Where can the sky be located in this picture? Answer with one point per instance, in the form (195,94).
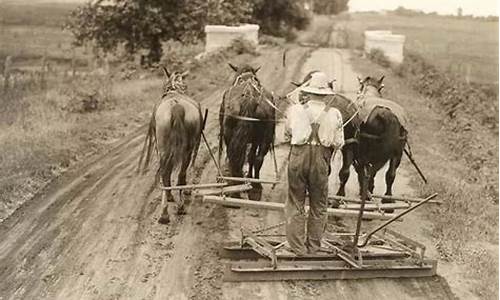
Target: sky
(474,7)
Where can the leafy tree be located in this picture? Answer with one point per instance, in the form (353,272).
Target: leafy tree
(138,24)
(145,24)
(329,7)
(279,17)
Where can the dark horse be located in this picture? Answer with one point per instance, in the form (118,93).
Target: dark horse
(175,131)
(246,117)
(382,137)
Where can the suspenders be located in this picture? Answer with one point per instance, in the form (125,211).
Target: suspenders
(314,137)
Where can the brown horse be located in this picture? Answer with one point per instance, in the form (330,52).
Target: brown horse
(175,131)
(382,136)
(246,117)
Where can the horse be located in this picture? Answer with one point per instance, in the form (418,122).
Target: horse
(348,108)
(246,117)
(382,137)
(174,131)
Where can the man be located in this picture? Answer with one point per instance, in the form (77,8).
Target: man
(314,130)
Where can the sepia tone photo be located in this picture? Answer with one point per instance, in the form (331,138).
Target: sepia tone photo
(249,149)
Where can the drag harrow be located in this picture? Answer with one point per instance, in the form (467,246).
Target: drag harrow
(264,255)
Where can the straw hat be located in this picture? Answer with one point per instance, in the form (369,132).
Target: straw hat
(318,85)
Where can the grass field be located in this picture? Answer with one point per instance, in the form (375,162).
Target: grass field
(458,153)
(451,44)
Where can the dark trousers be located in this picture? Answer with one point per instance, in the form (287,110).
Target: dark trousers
(308,171)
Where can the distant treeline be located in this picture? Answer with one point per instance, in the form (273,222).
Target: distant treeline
(401,11)
(48,14)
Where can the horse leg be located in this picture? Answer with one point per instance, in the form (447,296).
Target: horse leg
(251,160)
(347,159)
(359,167)
(165,177)
(391,173)
(374,169)
(259,161)
(181,180)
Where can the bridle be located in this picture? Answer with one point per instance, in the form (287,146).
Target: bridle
(175,84)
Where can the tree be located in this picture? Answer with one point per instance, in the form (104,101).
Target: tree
(279,17)
(138,24)
(145,24)
(330,7)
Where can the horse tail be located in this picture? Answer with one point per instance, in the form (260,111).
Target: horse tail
(221,127)
(198,140)
(149,143)
(177,138)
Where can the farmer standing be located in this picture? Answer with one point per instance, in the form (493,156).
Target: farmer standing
(314,130)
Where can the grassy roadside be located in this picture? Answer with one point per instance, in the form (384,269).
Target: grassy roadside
(466,226)
(45,131)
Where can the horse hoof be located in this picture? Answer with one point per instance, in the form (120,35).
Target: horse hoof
(164,220)
(334,203)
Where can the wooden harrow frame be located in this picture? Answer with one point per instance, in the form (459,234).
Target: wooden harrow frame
(263,255)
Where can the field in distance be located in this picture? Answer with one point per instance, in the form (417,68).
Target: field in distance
(453,44)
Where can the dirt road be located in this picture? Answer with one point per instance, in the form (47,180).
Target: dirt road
(93,233)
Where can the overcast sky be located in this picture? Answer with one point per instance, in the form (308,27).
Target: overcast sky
(474,7)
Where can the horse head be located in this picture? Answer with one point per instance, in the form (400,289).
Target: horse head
(371,83)
(244,72)
(174,81)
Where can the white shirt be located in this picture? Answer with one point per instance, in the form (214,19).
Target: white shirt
(298,124)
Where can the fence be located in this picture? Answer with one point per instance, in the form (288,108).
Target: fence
(40,73)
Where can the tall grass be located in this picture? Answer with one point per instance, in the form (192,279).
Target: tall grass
(457,147)
(44,130)
(464,46)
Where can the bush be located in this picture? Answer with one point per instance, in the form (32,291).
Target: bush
(378,56)
(142,25)
(454,95)
(280,17)
(242,46)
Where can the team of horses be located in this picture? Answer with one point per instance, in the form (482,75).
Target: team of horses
(247,120)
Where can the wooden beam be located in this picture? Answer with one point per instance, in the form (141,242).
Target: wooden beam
(193,186)
(225,189)
(254,180)
(281,206)
(395,198)
(373,206)
(407,199)
(322,270)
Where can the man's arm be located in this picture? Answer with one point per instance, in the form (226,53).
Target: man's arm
(288,127)
(338,132)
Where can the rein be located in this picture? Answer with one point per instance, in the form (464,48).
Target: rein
(251,82)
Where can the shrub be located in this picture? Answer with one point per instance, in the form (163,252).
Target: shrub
(142,25)
(241,46)
(378,56)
